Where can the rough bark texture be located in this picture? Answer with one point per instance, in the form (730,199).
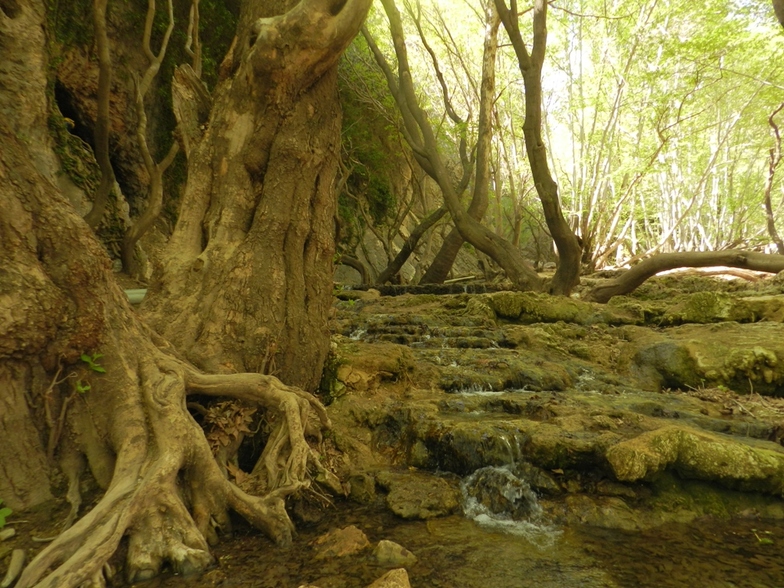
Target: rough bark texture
(129,425)
(633,278)
(24,471)
(246,284)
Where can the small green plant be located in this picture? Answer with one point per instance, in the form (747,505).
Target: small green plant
(92,362)
(82,387)
(5,512)
(763,540)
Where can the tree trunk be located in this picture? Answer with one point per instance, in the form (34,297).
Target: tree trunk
(122,410)
(248,271)
(633,278)
(445,259)
(410,245)
(569,251)
(419,133)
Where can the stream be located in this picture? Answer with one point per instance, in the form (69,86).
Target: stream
(457,552)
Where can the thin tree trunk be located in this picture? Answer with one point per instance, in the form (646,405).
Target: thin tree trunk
(568,273)
(773,164)
(420,135)
(101,197)
(353,262)
(410,245)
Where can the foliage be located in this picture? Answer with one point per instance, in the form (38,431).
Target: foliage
(369,136)
(658,113)
(5,512)
(92,362)
(330,388)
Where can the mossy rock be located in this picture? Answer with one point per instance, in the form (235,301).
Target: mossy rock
(744,358)
(702,456)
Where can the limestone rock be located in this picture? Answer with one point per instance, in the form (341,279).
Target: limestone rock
(419,496)
(392,579)
(340,543)
(700,455)
(393,555)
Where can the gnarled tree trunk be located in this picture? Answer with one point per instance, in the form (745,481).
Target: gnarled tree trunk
(246,284)
(121,415)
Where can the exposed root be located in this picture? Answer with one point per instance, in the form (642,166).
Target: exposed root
(167,493)
(14,568)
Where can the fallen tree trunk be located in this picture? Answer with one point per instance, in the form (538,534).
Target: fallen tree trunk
(632,279)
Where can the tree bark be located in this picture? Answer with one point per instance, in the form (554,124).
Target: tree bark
(248,271)
(778,7)
(127,421)
(567,275)
(633,278)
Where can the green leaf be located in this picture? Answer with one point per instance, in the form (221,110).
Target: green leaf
(4,513)
(98,368)
(86,358)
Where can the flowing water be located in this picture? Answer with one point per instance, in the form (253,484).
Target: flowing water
(496,552)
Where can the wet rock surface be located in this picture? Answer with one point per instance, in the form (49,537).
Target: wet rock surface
(594,406)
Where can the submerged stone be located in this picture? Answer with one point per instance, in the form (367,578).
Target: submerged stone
(393,555)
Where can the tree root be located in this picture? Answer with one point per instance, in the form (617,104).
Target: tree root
(167,493)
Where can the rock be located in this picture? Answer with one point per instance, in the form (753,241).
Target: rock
(340,543)
(742,357)
(363,488)
(700,455)
(499,491)
(392,579)
(607,512)
(419,496)
(393,555)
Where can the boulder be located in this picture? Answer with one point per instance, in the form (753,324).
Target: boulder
(419,496)
(340,543)
(392,579)
(702,456)
(393,555)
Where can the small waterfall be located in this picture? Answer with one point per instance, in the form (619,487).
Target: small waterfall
(358,334)
(497,499)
